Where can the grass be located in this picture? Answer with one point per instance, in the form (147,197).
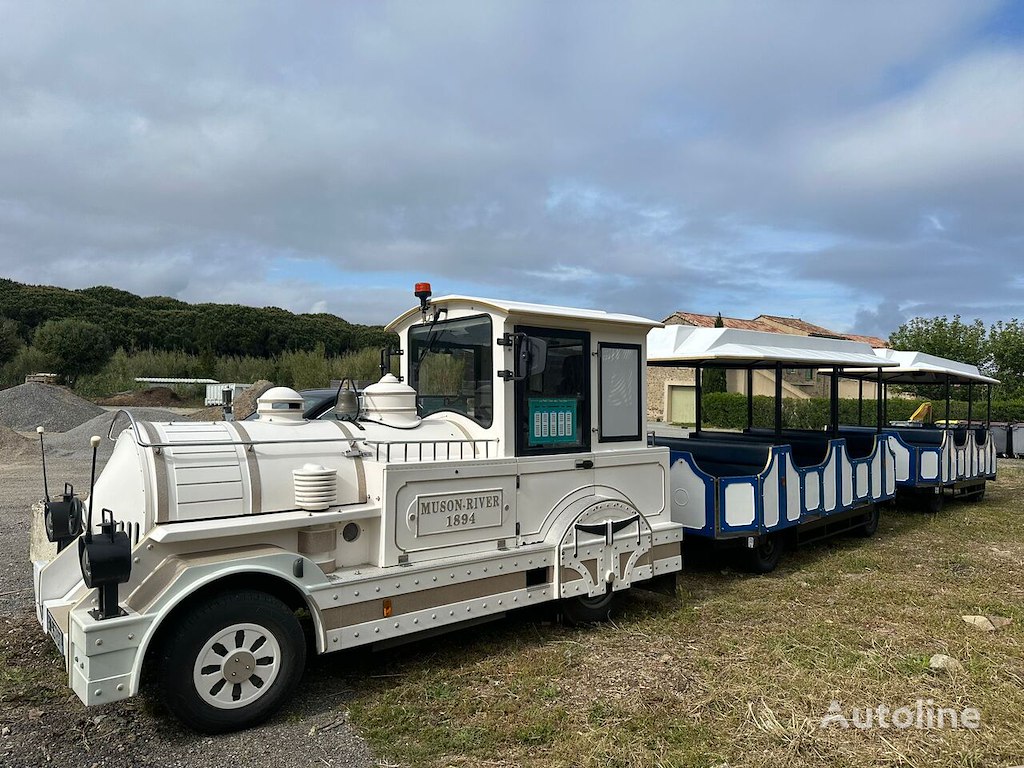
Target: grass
(738,670)
(30,667)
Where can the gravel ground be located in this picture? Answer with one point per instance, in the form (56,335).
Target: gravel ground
(43,724)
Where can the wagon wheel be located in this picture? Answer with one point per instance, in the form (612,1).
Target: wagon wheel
(765,556)
(232,661)
(870,526)
(932,503)
(977,495)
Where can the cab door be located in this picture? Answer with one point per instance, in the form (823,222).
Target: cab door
(553,437)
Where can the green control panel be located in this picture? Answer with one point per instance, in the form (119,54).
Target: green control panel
(553,420)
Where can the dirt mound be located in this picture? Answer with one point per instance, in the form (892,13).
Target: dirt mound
(245,403)
(12,444)
(243,406)
(75,443)
(56,409)
(212,413)
(153,397)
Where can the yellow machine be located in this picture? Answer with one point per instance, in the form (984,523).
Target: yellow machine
(923,413)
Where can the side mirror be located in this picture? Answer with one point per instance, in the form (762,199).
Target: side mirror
(531,357)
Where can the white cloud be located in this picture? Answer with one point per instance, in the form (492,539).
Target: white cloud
(963,127)
(642,157)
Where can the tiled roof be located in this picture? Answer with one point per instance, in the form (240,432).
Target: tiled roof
(874,341)
(802,326)
(708,321)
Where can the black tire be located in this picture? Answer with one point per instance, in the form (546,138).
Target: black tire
(932,503)
(978,495)
(870,526)
(588,610)
(765,556)
(256,623)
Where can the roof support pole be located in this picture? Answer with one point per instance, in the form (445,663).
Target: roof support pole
(860,402)
(970,401)
(879,413)
(778,398)
(947,401)
(833,404)
(885,402)
(750,398)
(698,394)
(988,415)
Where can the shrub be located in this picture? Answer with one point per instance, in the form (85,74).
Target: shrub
(25,361)
(729,411)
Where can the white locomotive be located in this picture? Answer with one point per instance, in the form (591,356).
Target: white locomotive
(507,467)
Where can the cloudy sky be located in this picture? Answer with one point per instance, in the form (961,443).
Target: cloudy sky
(854,164)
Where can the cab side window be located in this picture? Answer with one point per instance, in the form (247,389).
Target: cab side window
(553,405)
(619,409)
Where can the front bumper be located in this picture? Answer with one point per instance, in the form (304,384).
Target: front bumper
(102,657)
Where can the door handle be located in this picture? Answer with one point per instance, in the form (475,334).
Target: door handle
(585,464)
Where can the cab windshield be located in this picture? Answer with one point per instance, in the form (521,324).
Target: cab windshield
(450,367)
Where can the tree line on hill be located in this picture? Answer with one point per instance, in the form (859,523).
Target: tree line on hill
(75,332)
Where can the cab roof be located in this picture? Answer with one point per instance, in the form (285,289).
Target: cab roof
(526,311)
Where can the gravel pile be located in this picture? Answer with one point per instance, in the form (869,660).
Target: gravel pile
(56,409)
(75,442)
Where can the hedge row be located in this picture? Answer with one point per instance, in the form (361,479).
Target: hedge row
(729,411)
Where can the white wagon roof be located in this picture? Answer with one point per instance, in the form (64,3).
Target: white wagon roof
(736,347)
(921,368)
(520,308)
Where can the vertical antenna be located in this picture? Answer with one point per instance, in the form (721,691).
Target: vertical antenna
(42,450)
(95,442)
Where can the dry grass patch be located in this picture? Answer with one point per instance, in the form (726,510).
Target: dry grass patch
(739,670)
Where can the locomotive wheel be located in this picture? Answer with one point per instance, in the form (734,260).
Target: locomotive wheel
(870,526)
(977,495)
(588,610)
(232,661)
(765,556)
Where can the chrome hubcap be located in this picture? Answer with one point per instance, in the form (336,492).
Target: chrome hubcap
(237,666)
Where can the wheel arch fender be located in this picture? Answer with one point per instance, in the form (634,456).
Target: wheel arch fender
(272,573)
(594,565)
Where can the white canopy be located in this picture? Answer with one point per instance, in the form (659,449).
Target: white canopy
(735,347)
(921,368)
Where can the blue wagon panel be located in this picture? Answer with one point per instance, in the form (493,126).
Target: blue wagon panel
(783,494)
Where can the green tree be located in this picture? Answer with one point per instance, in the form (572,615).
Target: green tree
(76,347)
(10,340)
(714,379)
(1006,344)
(950,338)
